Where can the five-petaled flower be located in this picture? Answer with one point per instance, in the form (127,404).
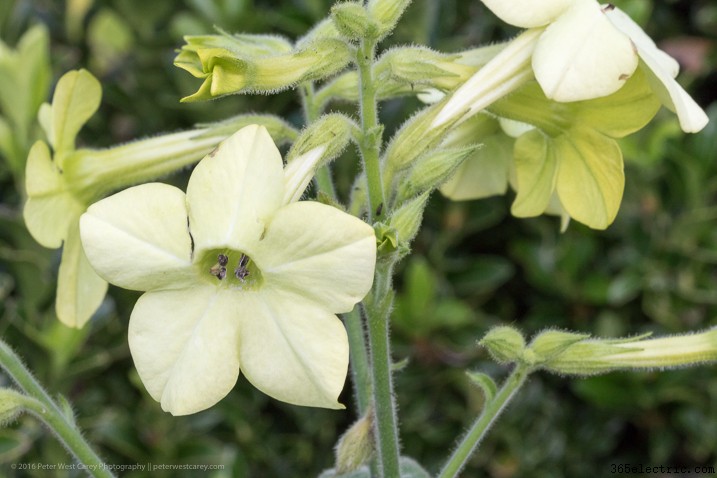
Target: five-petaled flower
(237,277)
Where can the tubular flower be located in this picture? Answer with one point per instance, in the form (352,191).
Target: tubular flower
(237,277)
(61,182)
(576,50)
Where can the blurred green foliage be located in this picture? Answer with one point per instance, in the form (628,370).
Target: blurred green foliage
(473,267)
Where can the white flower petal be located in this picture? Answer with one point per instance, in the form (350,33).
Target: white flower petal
(642,41)
(234,190)
(528,13)
(50,209)
(293,350)
(582,55)
(661,70)
(320,253)
(185,346)
(503,74)
(80,291)
(138,238)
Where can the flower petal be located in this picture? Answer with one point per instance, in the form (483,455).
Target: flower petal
(528,13)
(582,55)
(661,70)
(484,173)
(536,167)
(293,350)
(591,179)
(184,344)
(80,290)
(320,253)
(234,190)
(49,209)
(76,98)
(148,224)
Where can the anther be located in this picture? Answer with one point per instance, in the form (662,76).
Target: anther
(241,271)
(219,269)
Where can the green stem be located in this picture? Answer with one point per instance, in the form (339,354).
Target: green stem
(371,138)
(480,427)
(378,307)
(360,370)
(39,403)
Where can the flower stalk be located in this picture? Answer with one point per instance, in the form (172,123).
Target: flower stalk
(38,402)
(480,427)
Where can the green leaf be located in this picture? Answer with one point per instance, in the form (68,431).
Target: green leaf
(485,382)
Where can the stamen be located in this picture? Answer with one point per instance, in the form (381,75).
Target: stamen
(219,270)
(241,271)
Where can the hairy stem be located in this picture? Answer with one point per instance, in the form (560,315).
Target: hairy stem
(371,139)
(38,402)
(491,411)
(378,309)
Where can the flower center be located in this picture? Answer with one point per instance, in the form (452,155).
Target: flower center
(231,269)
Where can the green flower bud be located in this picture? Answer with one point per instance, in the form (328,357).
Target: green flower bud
(433,169)
(550,343)
(505,344)
(267,66)
(594,356)
(10,405)
(386,14)
(356,445)
(416,68)
(352,21)
(320,143)
(415,138)
(406,220)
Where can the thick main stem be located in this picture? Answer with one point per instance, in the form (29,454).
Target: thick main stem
(39,403)
(378,303)
(480,427)
(360,371)
(378,309)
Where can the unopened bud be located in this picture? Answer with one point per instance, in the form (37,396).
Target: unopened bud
(406,220)
(594,356)
(505,344)
(433,169)
(227,68)
(386,14)
(10,405)
(320,143)
(356,445)
(415,67)
(352,21)
(551,343)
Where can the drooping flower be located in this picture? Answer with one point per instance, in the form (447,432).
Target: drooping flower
(564,160)
(236,276)
(577,50)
